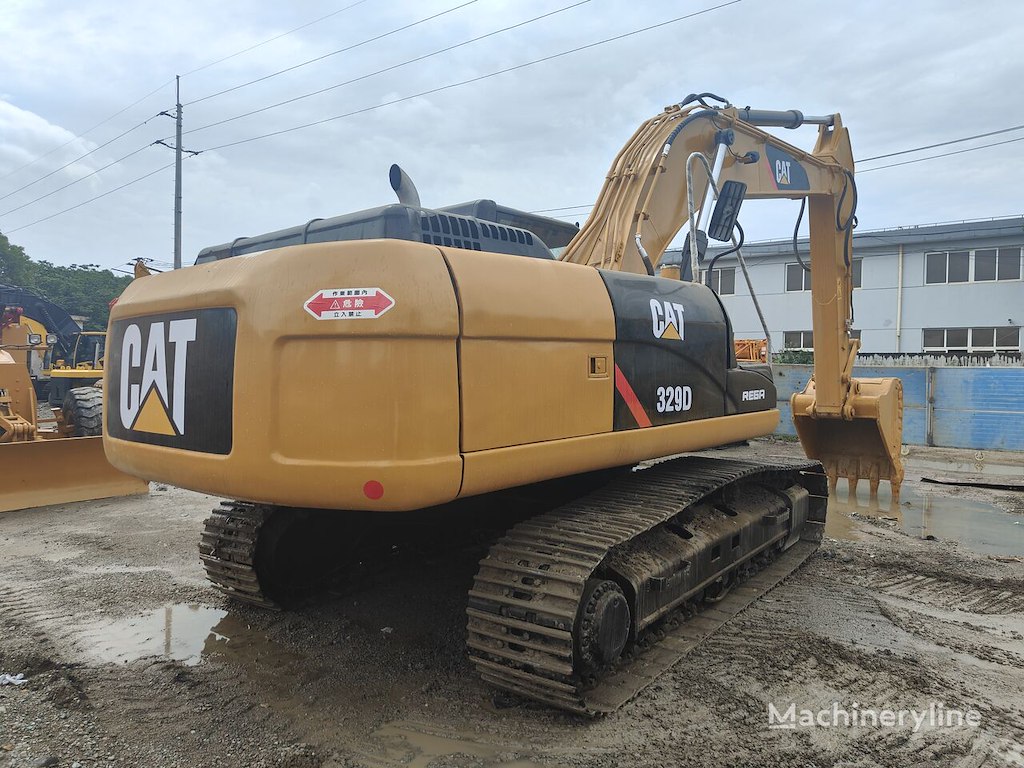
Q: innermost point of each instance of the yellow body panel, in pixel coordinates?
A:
(529, 330)
(518, 465)
(338, 403)
(346, 405)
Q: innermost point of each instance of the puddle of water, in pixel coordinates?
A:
(416, 748)
(184, 633)
(979, 527)
(176, 632)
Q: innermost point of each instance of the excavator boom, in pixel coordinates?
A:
(659, 181)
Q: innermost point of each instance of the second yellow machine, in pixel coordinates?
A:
(452, 355)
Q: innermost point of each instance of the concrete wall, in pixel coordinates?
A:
(980, 408)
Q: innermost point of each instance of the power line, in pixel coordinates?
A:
(562, 208)
(72, 162)
(387, 69)
(156, 90)
(272, 39)
(332, 53)
(80, 178)
(941, 144)
(419, 58)
(59, 189)
(91, 199)
(395, 101)
(477, 79)
(944, 154)
(85, 133)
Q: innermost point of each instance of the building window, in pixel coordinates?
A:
(985, 264)
(947, 267)
(1009, 264)
(799, 279)
(997, 264)
(989, 264)
(798, 339)
(964, 341)
(722, 281)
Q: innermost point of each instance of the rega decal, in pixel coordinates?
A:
(171, 378)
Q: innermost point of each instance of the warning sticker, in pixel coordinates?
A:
(348, 303)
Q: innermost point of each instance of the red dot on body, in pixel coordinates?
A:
(373, 489)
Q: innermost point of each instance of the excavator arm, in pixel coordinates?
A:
(659, 183)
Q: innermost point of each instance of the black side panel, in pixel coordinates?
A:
(671, 351)
(171, 378)
(750, 389)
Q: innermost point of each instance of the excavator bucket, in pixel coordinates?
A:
(865, 442)
(36, 473)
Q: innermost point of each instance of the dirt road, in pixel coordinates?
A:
(132, 659)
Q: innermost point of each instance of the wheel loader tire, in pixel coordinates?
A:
(83, 411)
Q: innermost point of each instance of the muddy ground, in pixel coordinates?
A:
(131, 658)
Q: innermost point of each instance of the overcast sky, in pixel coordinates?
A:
(903, 75)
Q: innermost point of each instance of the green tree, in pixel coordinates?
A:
(82, 289)
(15, 265)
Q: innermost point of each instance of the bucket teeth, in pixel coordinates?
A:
(864, 445)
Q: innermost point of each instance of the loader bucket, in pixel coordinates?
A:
(865, 442)
(36, 473)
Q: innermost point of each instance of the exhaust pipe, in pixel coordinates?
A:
(404, 188)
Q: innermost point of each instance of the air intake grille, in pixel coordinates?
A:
(459, 232)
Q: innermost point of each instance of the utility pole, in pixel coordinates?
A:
(177, 175)
(178, 150)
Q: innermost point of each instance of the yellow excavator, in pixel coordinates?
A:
(454, 359)
(54, 459)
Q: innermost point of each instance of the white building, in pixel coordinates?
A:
(939, 288)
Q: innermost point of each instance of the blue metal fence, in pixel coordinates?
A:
(955, 407)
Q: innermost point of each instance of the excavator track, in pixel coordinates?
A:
(530, 602)
(228, 550)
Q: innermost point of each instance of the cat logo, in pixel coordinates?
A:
(667, 320)
(785, 170)
(170, 379)
(157, 404)
(782, 172)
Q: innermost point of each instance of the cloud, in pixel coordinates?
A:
(542, 136)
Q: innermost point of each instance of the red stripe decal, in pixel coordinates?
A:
(629, 396)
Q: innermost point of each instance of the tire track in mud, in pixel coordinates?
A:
(949, 592)
(770, 643)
